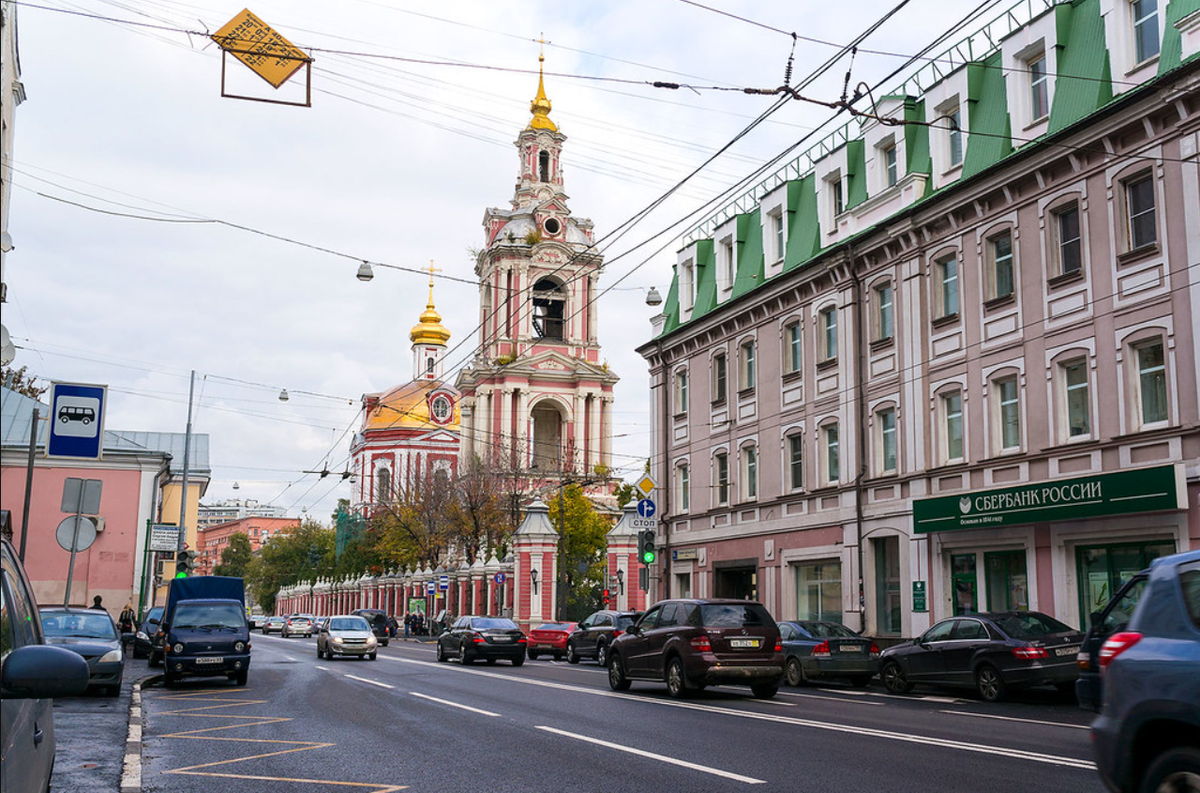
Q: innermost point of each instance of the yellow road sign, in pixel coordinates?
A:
(646, 484)
(254, 43)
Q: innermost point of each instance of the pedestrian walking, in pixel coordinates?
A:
(125, 624)
(96, 603)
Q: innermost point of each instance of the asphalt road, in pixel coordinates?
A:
(408, 722)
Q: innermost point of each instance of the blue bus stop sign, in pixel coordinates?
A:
(76, 420)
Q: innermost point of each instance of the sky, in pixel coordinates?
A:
(160, 228)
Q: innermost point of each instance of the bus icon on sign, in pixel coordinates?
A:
(69, 413)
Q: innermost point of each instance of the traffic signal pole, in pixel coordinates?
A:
(187, 449)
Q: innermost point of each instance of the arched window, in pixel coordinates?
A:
(383, 484)
(548, 308)
(429, 365)
(543, 166)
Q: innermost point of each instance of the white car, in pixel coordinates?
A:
(297, 625)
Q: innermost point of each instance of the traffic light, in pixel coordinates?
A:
(646, 551)
(184, 563)
(606, 597)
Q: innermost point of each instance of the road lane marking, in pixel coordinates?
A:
(831, 699)
(749, 780)
(367, 680)
(323, 668)
(453, 704)
(1014, 718)
(1037, 757)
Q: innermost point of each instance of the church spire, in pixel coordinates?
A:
(540, 106)
(430, 330)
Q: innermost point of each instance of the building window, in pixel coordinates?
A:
(1039, 87)
(1068, 243)
(839, 204)
(727, 264)
(952, 417)
(819, 591)
(889, 165)
(1145, 28)
(829, 435)
(947, 276)
(884, 321)
(954, 137)
(887, 440)
(795, 470)
(681, 392)
(383, 484)
(750, 472)
(792, 348)
(549, 303)
(1139, 211)
(746, 375)
(776, 220)
(543, 166)
(1000, 266)
(1075, 380)
(1008, 394)
(682, 487)
(828, 333)
(1152, 381)
(718, 378)
(687, 288)
(721, 474)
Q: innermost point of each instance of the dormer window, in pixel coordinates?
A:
(548, 310)
(1145, 29)
(1039, 87)
(543, 166)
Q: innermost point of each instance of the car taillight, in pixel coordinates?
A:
(1083, 661)
(1030, 653)
(821, 650)
(779, 645)
(617, 633)
(522, 640)
(478, 638)
(701, 644)
(1117, 644)
(874, 650)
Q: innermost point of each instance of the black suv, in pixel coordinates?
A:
(378, 620)
(591, 638)
(690, 644)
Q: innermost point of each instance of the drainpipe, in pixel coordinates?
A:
(667, 473)
(860, 363)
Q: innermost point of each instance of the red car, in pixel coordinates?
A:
(550, 638)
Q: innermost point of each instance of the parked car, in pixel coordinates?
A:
(256, 620)
(297, 625)
(347, 634)
(593, 636)
(93, 635)
(691, 644)
(1147, 737)
(489, 638)
(1101, 624)
(378, 620)
(31, 675)
(815, 649)
(273, 625)
(550, 638)
(993, 653)
(144, 640)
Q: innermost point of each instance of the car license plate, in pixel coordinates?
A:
(743, 643)
(851, 648)
(1066, 651)
(502, 638)
(545, 647)
(210, 659)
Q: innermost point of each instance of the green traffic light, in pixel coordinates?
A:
(648, 557)
(181, 574)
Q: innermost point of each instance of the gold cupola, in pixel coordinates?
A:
(540, 106)
(430, 330)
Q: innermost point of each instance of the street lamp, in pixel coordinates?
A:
(653, 298)
(365, 273)
(533, 578)
(283, 395)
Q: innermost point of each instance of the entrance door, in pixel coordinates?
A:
(1104, 569)
(964, 583)
(740, 583)
(1007, 581)
(887, 585)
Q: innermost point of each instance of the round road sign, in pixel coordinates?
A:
(499, 578)
(66, 533)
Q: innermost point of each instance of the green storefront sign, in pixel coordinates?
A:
(1119, 493)
(919, 601)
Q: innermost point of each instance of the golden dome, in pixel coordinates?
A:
(540, 106)
(430, 330)
(407, 407)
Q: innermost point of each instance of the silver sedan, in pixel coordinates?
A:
(346, 634)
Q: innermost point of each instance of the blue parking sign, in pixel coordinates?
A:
(76, 420)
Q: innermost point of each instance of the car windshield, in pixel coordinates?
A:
(348, 624)
(78, 626)
(732, 615)
(214, 616)
(1029, 625)
(828, 630)
(553, 626)
(493, 623)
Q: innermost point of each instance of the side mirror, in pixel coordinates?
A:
(634, 630)
(39, 671)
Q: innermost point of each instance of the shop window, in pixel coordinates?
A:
(1078, 402)
(749, 473)
(1145, 29)
(746, 365)
(795, 462)
(793, 348)
(1104, 569)
(884, 319)
(952, 425)
(819, 591)
(721, 477)
(888, 613)
(886, 439)
(830, 461)
(946, 275)
(965, 583)
(1007, 581)
(1152, 382)
(1008, 415)
(1068, 244)
(829, 330)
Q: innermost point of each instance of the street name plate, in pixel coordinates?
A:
(164, 538)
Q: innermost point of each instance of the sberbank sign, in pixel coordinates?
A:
(1118, 493)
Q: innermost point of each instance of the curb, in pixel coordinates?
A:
(131, 773)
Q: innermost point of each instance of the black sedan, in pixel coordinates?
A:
(820, 649)
(92, 634)
(992, 653)
(143, 641)
(489, 638)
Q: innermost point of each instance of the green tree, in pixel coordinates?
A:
(303, 554)
(581, 552)
(235, 559)
(479, 515)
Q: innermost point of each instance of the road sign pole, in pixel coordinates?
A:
(74, 543)
(33, 427)
(146, 563)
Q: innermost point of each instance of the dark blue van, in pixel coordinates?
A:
(205, 630)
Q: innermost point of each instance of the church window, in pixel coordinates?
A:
(429, 364)
(548, 309)
(441, 409)
(552, 226)
(543, 166)
(383, 484)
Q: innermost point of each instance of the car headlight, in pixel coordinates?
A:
(178, 648)
(143, 636)
(370, 640)
(336, 639)
(239, 647)
(111, 657)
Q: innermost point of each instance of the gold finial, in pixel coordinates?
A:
(430, 329)
(432, 270)
(540, 106)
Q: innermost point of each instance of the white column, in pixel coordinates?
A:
(523, 441)
(594, 430)
(606, 432)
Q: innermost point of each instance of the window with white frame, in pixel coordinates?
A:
(681, 392)
(749, 472)
(1146, 42)
(885, 420)
(1039, 87)
(721, 478)
(954, 137)
(1068, 241)
(1140, 224)
(891, 166)
(1152, 382)
(726, 263)
(1000, 266)
(884, 318)
(827, 323)
(687, 285)
(952, 427)
(1008, 412)
(719, 377)
(837, 202)
(946, 275)
(831, 459)
(793, 347)
(682, 487)
(775, 230)
(1076, 399)
(794, 448)
(746, 365)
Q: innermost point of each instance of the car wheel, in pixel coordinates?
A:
(989, 683)
(491, 661)
(602, 654)
(384, 642)
(533, 656)
(372, 656)
(155, 659)
(169, 679)
(793, 672)
(860, 681)
(462, 655)
(112, 691)
(558, 656)
(518, 661)
(894, 679)
(441, 653)
(764, 690)
(240, 678)
(572, 654)
(616, 674)
(676, 681)
(1173, 771)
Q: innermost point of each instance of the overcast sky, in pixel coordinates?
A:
(125, 146)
